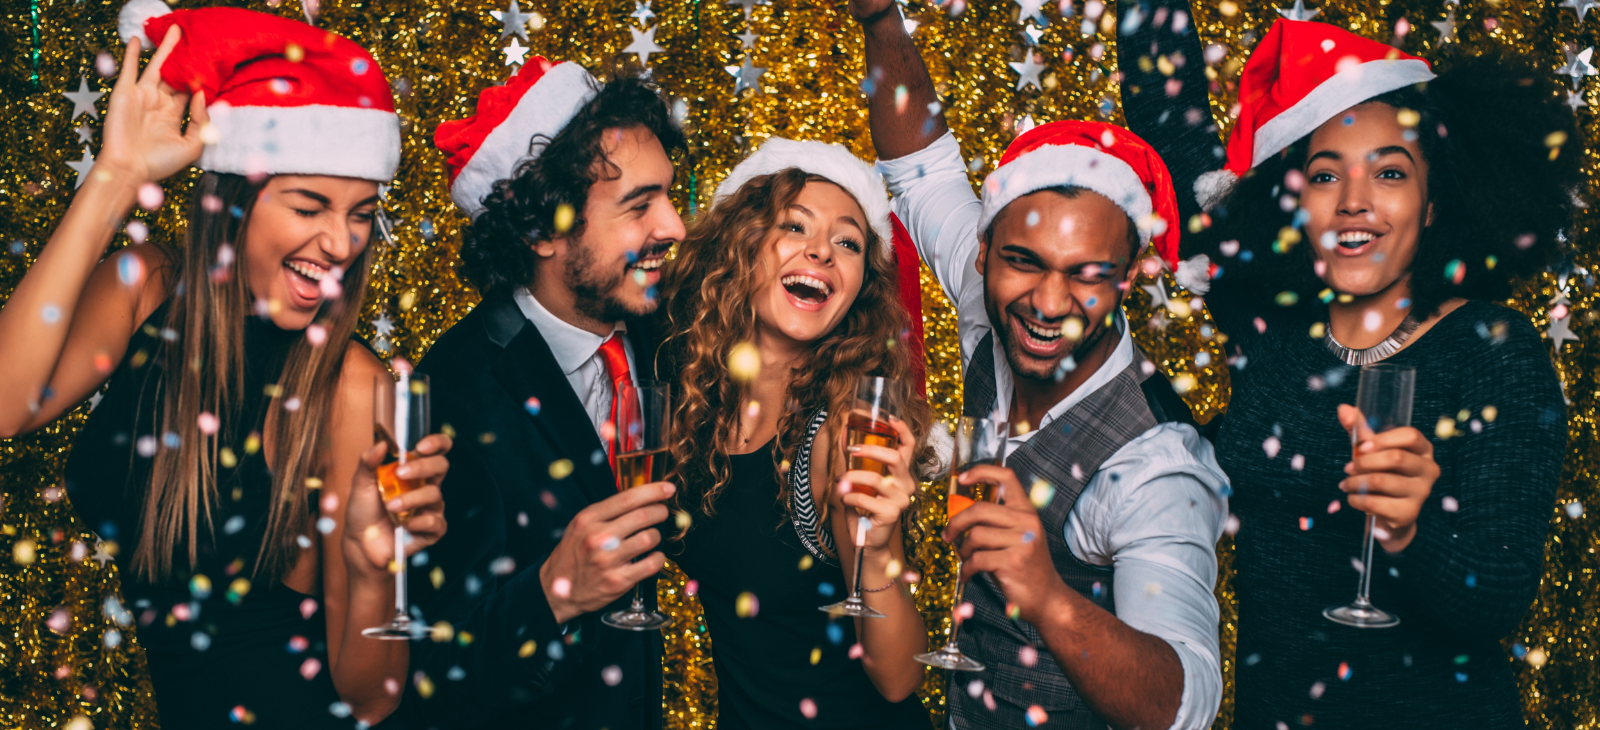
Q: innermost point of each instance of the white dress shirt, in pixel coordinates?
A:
(577, 352)
(1156, 507)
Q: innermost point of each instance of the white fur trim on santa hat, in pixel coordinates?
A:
(1211, 187)
(831, 161)
(543, 111)
(1343, 90)
(131, 18)
(303, 140)
(1068, 164)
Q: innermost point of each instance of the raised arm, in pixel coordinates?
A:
(67, 311)
(1171, 112)
(893, 64)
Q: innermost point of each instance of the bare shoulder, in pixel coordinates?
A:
(152, 268)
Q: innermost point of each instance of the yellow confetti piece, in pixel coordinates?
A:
(226, 457)
(408, 299)
(436, 577)
(313, 482)
(892, 570)
(1490, 413)
(806, 562)
(1184, 383)
(527, 649)
(252, 443)
(239, 587)
(1536, 657)
(442, 632)
(816, 655)
(1041, 493)
(564, 217)
(682, 519)
(424, 685)
(294, 52)
(744, 362)
(22, 553)
(747, 605)
(1408, 117)
(464, 638)
(560, 469)
(1445, 428)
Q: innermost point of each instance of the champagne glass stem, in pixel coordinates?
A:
(638, 599)
(955, 610)
(1362, 594)
(861, 544)
(400, 571)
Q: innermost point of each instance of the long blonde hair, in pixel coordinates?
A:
(707, 290)
(204, 372)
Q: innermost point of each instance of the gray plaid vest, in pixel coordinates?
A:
(1066, 454)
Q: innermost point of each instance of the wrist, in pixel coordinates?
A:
(109, 170)
(560, 608)
(1399, 538)
(885, 20)
(1054, 609)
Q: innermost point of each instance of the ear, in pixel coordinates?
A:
(1428, 219)
(547, 248)
(982, 264)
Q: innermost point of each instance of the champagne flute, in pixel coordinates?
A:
(1384, 399)
(400, 420)
(877, 401)
(643, 417)
(977, 441)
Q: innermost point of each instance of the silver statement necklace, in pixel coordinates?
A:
(1389, 346)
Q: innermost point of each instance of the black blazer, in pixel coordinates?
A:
(509, 664)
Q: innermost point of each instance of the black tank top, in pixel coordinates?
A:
(763, 643)
(221, 648)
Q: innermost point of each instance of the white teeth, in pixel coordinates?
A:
(309, 271)
(814, 283)
(1356, 237)
(1040, 331)
(649, 264)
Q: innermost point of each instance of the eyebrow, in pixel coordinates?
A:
(1393, 149)
(639, 192)
(319, 197)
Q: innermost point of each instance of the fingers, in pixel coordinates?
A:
(639, 544)
(128, 75)
(1397, 511)
(982, 513)
(1010, 493)
(988, 537)
(425, 530)
(1388, 485)
(372, 458)
(623, 502)
(1408, 438)
(416, 499)
(1397, 461)
(647, 566)
(908, 440)
(881, 454)
(152, 73)
(883, 511)
(436, 443)
(427, 467)
(627, 524)
(199, 119)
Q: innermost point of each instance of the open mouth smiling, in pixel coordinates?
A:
(807, 289)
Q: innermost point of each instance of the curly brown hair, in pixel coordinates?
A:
(706, 311)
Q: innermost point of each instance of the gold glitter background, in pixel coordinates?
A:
(440, 53)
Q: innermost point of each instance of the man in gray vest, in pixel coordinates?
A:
(1091, 591)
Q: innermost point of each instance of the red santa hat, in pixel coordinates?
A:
(1300, 76)
(284, 97)
(537, 101)
(834, 162)
(1108, 160)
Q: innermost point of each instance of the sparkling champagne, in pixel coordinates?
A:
(390, 482)
(641, 467)
(863, 430)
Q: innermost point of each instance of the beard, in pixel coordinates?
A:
(595, 286)
(1029, 367)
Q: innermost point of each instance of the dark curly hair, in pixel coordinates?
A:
(1488, 126)
(495, 252)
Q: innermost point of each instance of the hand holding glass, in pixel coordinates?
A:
(400, 420)
(643, 418)
(977, 441)
(877, 400)
(1384, 399)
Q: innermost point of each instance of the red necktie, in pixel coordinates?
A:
(616, 362)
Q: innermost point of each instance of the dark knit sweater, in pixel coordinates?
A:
(1474, 566)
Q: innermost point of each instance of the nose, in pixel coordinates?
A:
(338, 239)
(1052, 297)
(1355, 192)
(669, 225)
(819, 249)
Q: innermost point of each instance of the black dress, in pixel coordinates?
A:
(1484, 379)
(220, 646)
(772, 649)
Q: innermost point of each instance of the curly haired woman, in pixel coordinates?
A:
(1383, 211)
(793, 257)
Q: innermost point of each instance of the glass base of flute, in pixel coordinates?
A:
(402, 627)
(643, 419)
(853, 605)
(1360, 613)
(949, 656)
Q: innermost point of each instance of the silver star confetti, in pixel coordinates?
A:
(1028, 71)
(1299, 11)
(1447, 27)
(1032, 10)
(747, 39)
(1560, 330)
(1575, 101)
(85, 133)
(644, 44)
(1578, 65)
(1581, 7)
(83, 99)
(642, 11)
(746, 76)
(516, 53)
(512, 22)
(82, 167)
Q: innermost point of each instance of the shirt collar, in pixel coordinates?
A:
(572, 346)
(1121, 357)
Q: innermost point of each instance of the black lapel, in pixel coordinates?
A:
(642, 336)
(528, 369)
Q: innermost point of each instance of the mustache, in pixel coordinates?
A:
(655, 249)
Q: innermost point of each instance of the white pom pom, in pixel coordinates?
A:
(1210, 188)
(944, 447)
(130, 20)
(1195, 274)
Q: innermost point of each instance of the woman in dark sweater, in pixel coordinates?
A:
(1377, 220)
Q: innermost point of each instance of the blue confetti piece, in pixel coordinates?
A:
(835, 632)
(1461, 676)
(1472, 580)
(825, 589)
(532, 406)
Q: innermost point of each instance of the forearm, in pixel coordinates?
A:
(898, 128)
(34, 322)
(364, 669)
(1130, 678)
(888, 644)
